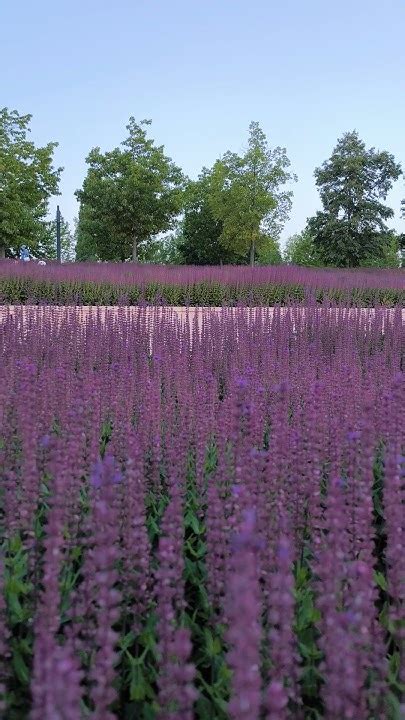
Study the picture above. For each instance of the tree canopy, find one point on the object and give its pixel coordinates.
(353, 184)
(247, 194)
(27, 180)
(198, 240)
(130, 195)
(136, 204)
(300, 250)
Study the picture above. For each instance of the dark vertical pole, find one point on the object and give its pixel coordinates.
(58, 247)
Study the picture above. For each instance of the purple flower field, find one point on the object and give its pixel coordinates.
(141, 274)
(202, 520)
(132, 284)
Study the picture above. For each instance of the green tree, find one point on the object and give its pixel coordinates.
(300, 250)
(351, 230)
(131, 194)
(198, 240)
(199, 237)
(87, 228)
(401, 238)
(163, 251)
(247, 195)
(269, 252)
(390, 255)
(27, 181)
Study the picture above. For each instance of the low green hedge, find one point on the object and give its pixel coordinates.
(28, 291)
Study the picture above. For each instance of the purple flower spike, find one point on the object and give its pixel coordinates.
(105, 471)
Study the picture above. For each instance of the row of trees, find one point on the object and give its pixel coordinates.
(136, 203)
(234, 212)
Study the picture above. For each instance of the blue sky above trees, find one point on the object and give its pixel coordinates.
(307, 72)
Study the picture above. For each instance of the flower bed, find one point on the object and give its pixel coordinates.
(205, 522)
(112, 284)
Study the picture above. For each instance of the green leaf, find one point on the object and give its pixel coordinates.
(16, 609)
(20, 667)
(381, 581)
(394, 707)
(126, 641)
(191, 521)
(139, 687)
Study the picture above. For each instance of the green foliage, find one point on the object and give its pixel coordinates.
(269, 252)
(351, 230)
(27, 181)
(199, 237)
(18, 594)
(26, 290)
(306, 621)
(300, 250)
(162, 251)
(246, 196)
(47, 247)
(213, 675)
(87, 229)
(130, 195)
(390, 253)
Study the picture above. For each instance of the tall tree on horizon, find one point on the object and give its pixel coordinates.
(27, 181)
(199, 237)
(248, 196)
(131, 194)
(353, 183)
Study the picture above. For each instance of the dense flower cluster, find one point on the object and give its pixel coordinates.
(118, 283)
(202, 518)
(140, 274)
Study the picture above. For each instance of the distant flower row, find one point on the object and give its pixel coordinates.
(110, 283)
(202, 522)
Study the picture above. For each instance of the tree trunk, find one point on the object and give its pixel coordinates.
(134, 249)
(2, 252)
(252, 253)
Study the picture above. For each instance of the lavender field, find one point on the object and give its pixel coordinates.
(128, 283)
(202, 519)
(141, 274)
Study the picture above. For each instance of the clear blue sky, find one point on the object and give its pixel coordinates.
(202, 70)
